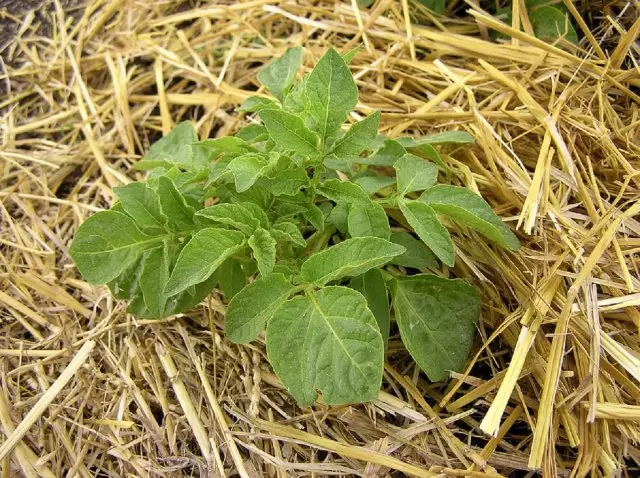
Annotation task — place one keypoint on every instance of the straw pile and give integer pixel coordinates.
(553, 382)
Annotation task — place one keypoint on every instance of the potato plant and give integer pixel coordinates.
(307, 228)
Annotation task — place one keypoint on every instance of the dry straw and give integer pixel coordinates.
(553, 383)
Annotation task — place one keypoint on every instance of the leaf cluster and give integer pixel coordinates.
(303, 225)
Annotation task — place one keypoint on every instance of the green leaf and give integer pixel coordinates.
(106, 244)
(289, 132)
(250, 309)
(234, 215)
(231, 278)
(331, 94)
(368, 220)
(287, 232)
(126, 285)
(351, 54)
(373, 184)
(425, 223)
(314, 215)
(264, 250)
(372, 286)
(286, 182)
(280, 73)
(339, 217)
(174, 205)
(414, 174)
(153, 279)
(455, 137)
(469, 209)
(294, 101)
(172, 149)
(343, 191)
(246, 170)
(142, 204)
(258, 212)
(358, 137)
(202, 255)
(387, 155)
(437, 319)
(349, 258)
(253, 133)
(327, 341)
(257, 103)
(438, 6)
(549, 24)
(417, 256)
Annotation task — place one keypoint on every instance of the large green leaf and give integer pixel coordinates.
(550, 23)
(343, 191)
(253, 306)
(171, 150)
(368, 220)
(289, 132)
(471, 210)
(202, 255)
(231, 278)
(437, 319)
(331, 94)
(106, 244)
(349, 258)
(425, 223)
(142, 204)
(372, 286)
(280, 73)
(358, 137)
(327, 341)
(414, 174)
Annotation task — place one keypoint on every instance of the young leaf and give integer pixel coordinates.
(368, 220)
(106, 244)
(234, 215)
(437, 319)
(247, 169)
(257, 103)
(351, 54)
(264, 250)
(155, 274)
(414, 174)
(372, 286)
(174, 206)
(471, 210)
(425, 223)
(331, 93)
(373, 184)
(257, 212)
(349, 258)
(327, 341)
(358, 137)
(126, 285)
(289, 132)
(172, 149)
(279, 74)
(343, 191)
(231, 278)
(287, 232)
(417, 256)
(142, 204)
(253, 306)
(202, 255)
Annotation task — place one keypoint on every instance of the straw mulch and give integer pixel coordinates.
(553, 382)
